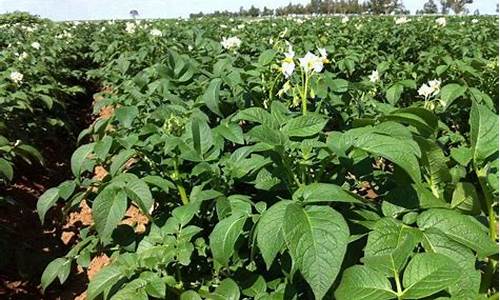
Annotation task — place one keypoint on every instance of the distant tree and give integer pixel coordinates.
(430, 7)
(386, 7)
(458, 6)
(253, 11)
(476, 12)
(134, 13)
(445, 7)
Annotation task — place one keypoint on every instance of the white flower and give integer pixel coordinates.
(311, 62)
(231, 42)
(241, 26)
(130, 27)
(431, 88)
(475, 21)
(36, 45)
(374, 77)
(435, 85)
(345, 19)
(223, 26)
(441, 21)
(156, 32)
(402, 20)
(16, 77)
(190, 47)
(23, 56)
(358, 26)
(288, 65)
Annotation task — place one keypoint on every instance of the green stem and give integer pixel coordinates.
(398, 285)
(178, 183)
(304, 95)
(488, 204)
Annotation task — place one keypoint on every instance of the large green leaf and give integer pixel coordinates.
(389, 245)
(224, 236)
(103, 280)
(483, 132)
(402, 152)
(364, 283)
(422, 119)
(79, 157)
(317, 239)
(269, 232)
(325, 192)
(303, 126)
(46, 201)
(211, 96)
(450, 93)
(51, 271)
(139, 192)
(434, 241)
(108, 210)
(6, 169)
(460, 228)
(427, 274)
(435, 164)
(227, 290)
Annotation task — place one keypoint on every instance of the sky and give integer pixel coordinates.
(118, 9)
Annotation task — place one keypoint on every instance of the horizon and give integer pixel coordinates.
(79, 10)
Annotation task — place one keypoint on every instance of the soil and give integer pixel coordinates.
(27, 246)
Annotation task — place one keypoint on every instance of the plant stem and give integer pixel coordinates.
(304, 95)
(398, 285)
(488, 204)
(178, 183)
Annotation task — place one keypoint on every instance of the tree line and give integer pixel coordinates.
(376, 7)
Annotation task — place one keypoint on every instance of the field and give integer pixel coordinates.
(278, 158)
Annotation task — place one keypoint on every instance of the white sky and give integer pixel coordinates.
(116, 9)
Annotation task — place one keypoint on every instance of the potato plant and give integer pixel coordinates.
(289, 159)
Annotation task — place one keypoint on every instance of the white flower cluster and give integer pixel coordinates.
(430, 88)
(36, 45)
(475, 21)
(402, 20)
(441, 21)
(16, 77)
(345, 19)
(156, 32)
(231, 42)
(130, 27)
(21, 56)
(374, 77)
(308, 63)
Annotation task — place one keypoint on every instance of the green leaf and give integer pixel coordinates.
(435, 164)
(103, 280)
(231, 132)
(102, 147)
(108, 210)
(394, 93)
(270, 233)
(190, 295)
(325, 192)
(139, 192)
(79, 157)
(224, 236)
(389, 245)
(450, 93)
(6, 169)
(316, 236)
(484, 133)
(126, 115)
(363, 283)
(460, 228)
(267, 135)
(422, 119)
(303, 126)
(465, 198)
(427, 274)
(461, 155)
(46, 201)
(119, 160)
(258, 115)
(227, 290)
(211, 96)
(267, 57)
(51, 271)
(339, 85)
(434, 241)
(402, 152)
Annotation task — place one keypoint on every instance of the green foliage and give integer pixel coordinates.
(325, 183)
